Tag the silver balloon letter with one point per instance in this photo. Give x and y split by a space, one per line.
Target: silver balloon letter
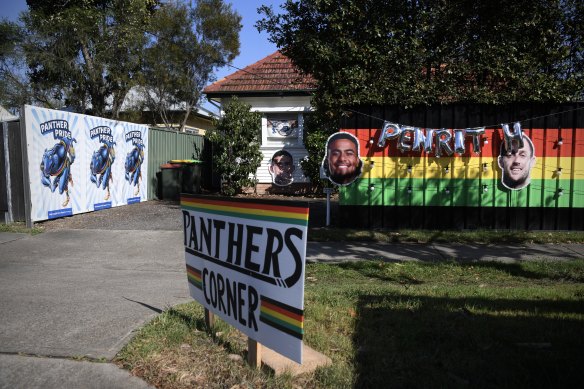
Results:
459 136
443 136
419 139
388 131
513 140
476 134
404 139
429 139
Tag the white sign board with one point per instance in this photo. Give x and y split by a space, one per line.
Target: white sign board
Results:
245 263
79 163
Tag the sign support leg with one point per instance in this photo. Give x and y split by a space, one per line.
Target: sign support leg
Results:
328 209
328 192
209 319
254 353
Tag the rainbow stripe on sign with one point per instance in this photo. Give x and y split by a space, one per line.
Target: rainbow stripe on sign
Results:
285 213
194 277
282 317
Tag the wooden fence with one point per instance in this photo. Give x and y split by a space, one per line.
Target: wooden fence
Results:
12 206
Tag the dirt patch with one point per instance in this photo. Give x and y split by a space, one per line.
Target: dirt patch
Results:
157 215
148 215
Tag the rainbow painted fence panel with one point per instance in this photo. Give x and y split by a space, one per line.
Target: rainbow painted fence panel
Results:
417 189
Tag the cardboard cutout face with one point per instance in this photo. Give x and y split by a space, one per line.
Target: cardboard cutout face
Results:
341 163
516 165
281 168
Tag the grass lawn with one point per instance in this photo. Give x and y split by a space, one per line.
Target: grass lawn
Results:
19 227
406 324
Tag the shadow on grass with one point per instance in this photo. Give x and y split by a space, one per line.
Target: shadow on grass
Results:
233 344
413 341
535 271
193 322
569 271
485 236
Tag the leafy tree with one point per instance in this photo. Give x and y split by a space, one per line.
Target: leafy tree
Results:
86 51
88 54
410 52
187 44
236 147
14 89
317 129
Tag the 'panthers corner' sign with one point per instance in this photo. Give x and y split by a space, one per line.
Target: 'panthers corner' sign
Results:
245 263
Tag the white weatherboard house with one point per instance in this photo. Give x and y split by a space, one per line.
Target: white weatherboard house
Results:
277 89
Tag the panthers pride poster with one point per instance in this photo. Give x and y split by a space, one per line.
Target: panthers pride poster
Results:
245 263
80 163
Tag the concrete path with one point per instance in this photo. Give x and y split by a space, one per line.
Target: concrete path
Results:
72 294
332 252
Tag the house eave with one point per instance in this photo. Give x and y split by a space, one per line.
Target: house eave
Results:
271 93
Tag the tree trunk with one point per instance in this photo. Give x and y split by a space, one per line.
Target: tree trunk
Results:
185 117
118 100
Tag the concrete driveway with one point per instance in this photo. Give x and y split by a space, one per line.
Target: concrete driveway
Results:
81 293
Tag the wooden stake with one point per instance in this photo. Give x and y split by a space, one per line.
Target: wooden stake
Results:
254 353
209 319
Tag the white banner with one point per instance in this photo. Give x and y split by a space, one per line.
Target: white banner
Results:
79 163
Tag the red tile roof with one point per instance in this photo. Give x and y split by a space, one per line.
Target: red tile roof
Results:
273 74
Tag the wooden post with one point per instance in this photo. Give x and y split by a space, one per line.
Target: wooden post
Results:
254 353
209 319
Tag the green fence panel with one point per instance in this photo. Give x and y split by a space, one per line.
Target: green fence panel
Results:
170 145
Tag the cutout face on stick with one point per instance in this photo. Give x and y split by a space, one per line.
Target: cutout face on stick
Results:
341 163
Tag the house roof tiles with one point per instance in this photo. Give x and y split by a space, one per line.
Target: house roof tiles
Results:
274 74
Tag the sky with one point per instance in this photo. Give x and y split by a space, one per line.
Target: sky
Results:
254 46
